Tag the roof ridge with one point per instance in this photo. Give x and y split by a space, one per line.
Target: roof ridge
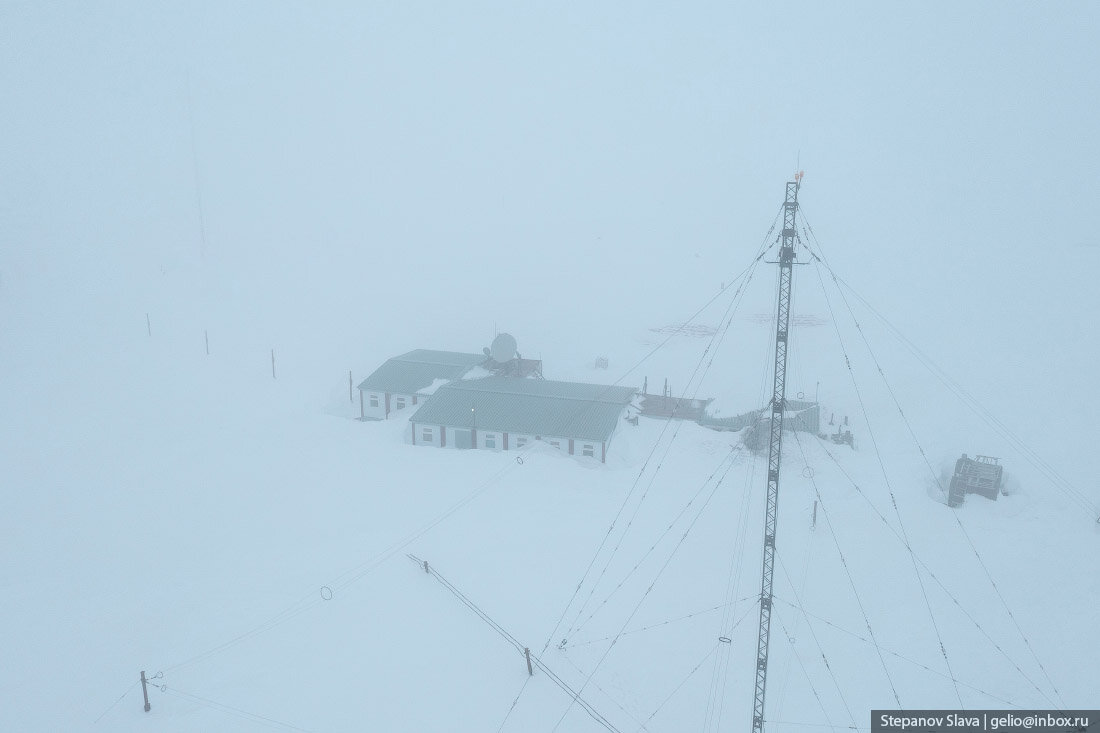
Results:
406 358
464 385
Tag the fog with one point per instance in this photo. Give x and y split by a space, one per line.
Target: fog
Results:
344 182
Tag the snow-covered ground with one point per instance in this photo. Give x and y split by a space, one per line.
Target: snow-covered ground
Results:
246 538
330 186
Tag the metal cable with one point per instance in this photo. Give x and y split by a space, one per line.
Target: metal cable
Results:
958 520
645 595
254 717
886 480
937 580
603 542
535 661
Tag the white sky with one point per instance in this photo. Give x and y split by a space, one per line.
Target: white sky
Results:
379 177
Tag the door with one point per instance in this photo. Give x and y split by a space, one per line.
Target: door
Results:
464 438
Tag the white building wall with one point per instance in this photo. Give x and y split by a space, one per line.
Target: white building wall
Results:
399 402
428 435
494 440
560 443
519 441
490 440
378 409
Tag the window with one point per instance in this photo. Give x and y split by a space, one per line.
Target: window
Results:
555 443
400 403
490 441
428 435
520 442
374 400
588 450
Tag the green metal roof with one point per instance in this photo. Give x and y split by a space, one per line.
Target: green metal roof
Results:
528 406
411 372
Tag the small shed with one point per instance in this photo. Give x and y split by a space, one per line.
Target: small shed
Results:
501 413
403 380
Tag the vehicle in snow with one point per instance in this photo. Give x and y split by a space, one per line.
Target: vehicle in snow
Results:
978 475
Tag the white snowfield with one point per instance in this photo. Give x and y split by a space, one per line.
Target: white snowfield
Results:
306 189
246 547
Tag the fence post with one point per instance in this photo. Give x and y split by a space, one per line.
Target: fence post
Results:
530 669
145 691
273 363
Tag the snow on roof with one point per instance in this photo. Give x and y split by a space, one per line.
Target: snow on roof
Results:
431 388
417 370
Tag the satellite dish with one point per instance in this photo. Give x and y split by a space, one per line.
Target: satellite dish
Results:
503 348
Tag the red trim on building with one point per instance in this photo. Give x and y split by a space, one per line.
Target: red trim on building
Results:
387 404
442 436
570 446
603 454
506 441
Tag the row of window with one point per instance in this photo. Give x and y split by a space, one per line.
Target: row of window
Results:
398 402
490 441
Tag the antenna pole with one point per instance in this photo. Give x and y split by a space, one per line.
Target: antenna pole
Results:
775 445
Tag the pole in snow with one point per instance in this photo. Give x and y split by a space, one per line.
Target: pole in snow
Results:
145 691
530 669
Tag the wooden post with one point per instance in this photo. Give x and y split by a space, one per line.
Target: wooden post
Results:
530 669
145 691
350 399
206 338
148 325
426 567
273 363
815 515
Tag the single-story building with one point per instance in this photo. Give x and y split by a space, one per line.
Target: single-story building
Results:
405 380
503 413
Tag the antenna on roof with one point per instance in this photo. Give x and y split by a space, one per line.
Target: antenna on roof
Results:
503 348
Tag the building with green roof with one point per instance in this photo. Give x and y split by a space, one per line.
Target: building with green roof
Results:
405 380
505 413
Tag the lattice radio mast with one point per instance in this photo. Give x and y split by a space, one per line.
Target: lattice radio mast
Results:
775 444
